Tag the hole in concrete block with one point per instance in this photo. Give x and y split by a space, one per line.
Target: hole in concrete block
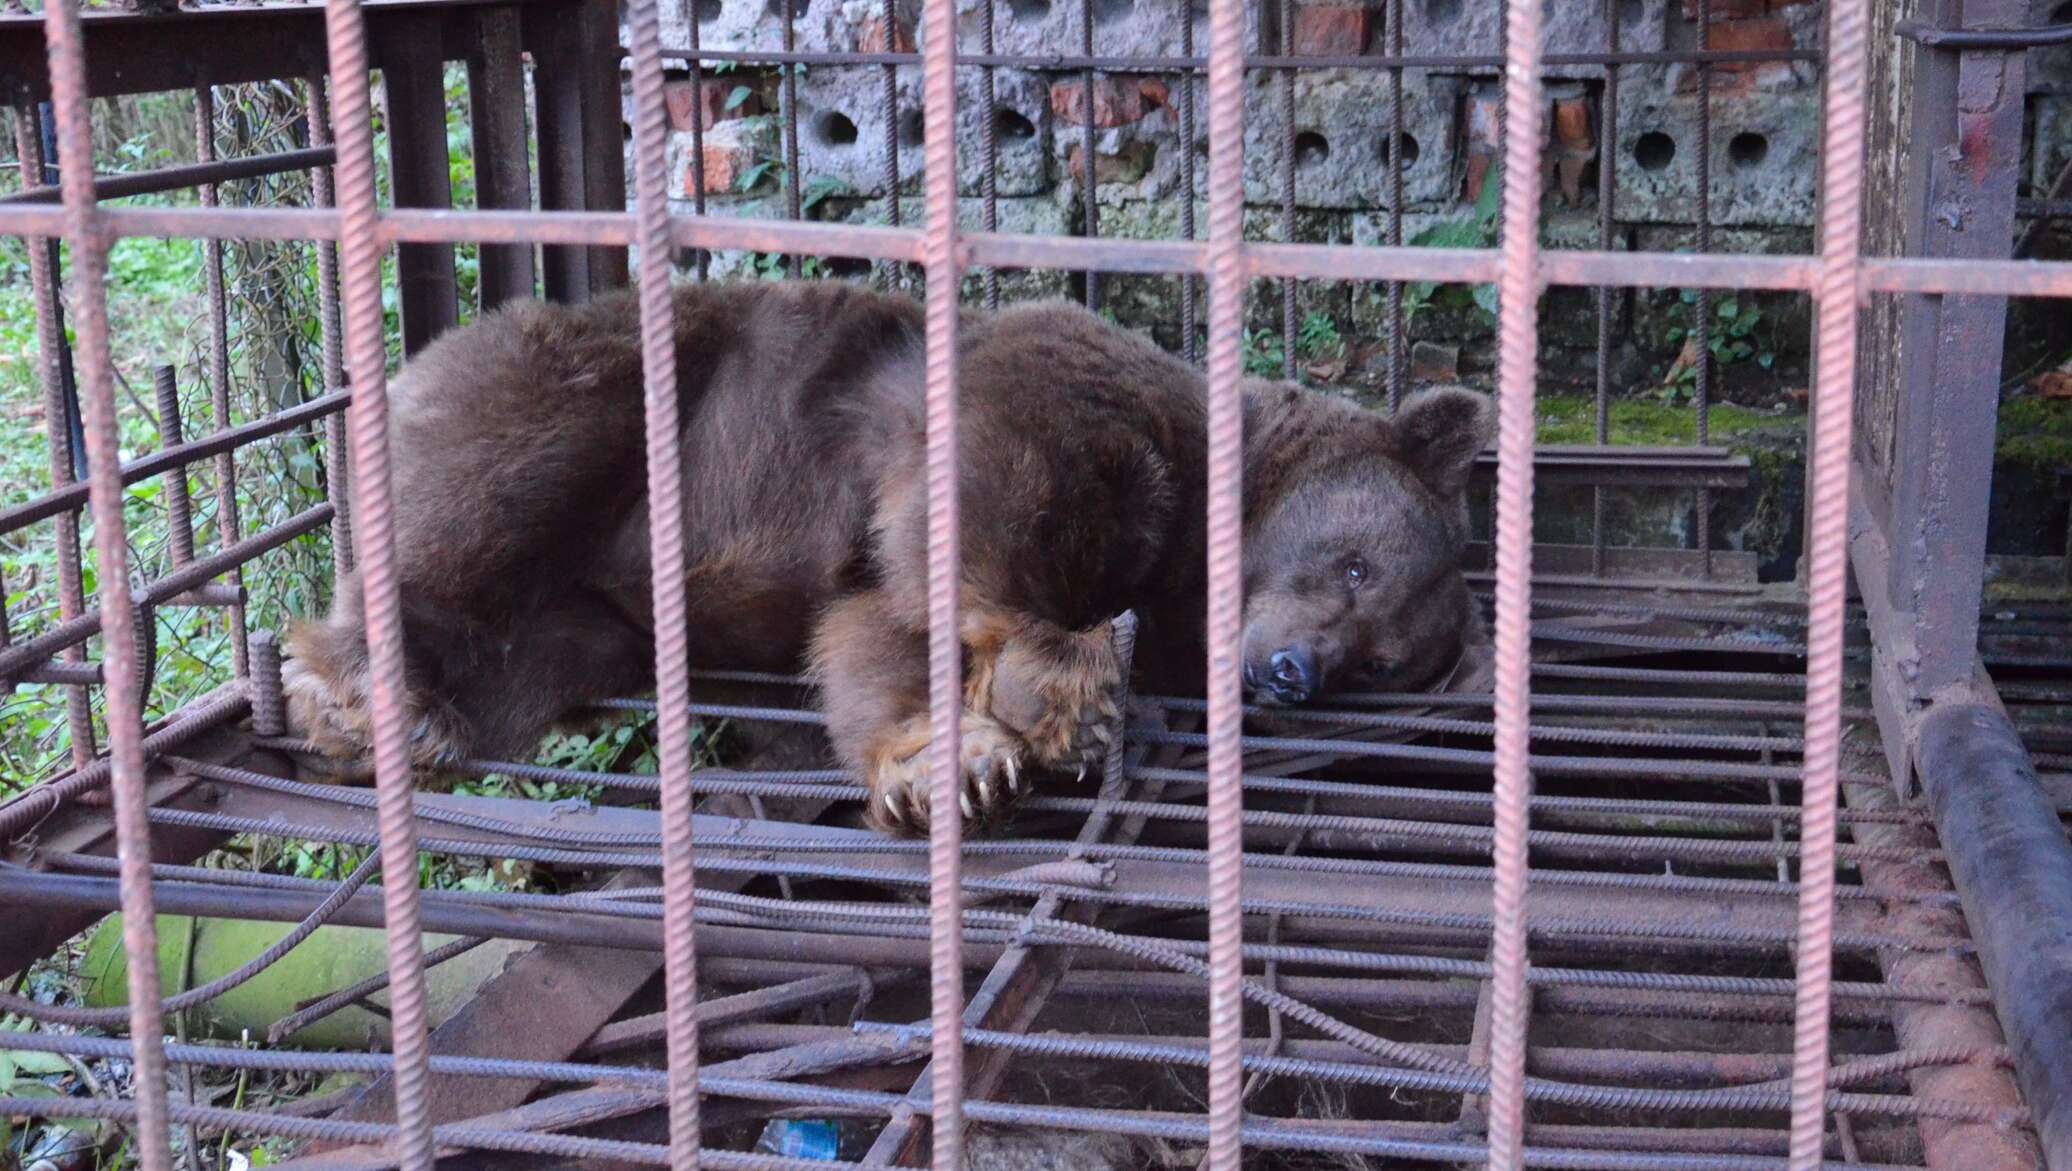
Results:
1110 11
1404 145
1311 148
1748 148
1010 126
833 128
1029 11
706 11
774 9
912 130
1441 12
1654 150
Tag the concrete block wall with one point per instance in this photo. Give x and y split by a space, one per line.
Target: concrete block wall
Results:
1763 148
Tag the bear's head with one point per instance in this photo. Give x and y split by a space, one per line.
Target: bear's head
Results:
1352 559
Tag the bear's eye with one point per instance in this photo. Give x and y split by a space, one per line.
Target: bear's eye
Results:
1355 572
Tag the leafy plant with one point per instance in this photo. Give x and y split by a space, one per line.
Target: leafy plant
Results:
1476 230
1318 337
1730 338
1262 353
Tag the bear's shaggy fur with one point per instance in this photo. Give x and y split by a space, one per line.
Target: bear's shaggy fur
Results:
522 530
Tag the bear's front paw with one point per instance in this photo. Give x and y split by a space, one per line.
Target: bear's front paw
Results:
335 715
898 784
1064 700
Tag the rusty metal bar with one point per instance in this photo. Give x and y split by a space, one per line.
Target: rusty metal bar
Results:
1226 257
330 330
227 526
1156 63
123 692
942 265
179 506
191 175
666 523
1827 552
374 548
1518 295
54 366
503 177
420 175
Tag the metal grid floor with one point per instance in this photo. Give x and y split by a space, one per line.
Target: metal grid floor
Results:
1661 922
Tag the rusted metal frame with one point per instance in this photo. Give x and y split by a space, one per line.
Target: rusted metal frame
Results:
1518 297
179 505
1836 300
414 86
718 1012
54 366
503 174
1684 467
942 265
1949 1146
174 456
191 175
228 527
337 459
374 549
2011 863
122 694
2008 38
502 1020
76 632
1151 62
2045 211
552 39
668 554
1324 262
1225 255
1021 981
1965 142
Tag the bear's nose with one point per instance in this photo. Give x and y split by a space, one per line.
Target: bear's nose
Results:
1294 674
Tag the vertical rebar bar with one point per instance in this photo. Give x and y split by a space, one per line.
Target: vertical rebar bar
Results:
1189 313
790 71
1399 339
227 526
888 110
989 145
1090 182
1607 200
1701 329
337 459
1287 92
1518 296
122 691
179 507
669 576
1226 286
1834 384
945 652
54 365
374 545
704 255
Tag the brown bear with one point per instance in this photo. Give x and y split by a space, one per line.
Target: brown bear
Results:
522 530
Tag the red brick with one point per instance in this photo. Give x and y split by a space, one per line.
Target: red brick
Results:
1126 167
1765 34
871 37
726 159
1117 100
677 96
1572 128
1332 30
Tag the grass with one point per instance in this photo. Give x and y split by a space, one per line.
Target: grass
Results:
1572 419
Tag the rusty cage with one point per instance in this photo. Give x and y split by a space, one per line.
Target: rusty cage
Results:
1769 866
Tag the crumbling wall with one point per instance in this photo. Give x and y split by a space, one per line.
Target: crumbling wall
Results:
1761 151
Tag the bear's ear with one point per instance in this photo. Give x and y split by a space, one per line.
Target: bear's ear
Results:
1439 432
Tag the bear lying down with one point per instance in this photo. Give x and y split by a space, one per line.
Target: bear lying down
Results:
522 531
